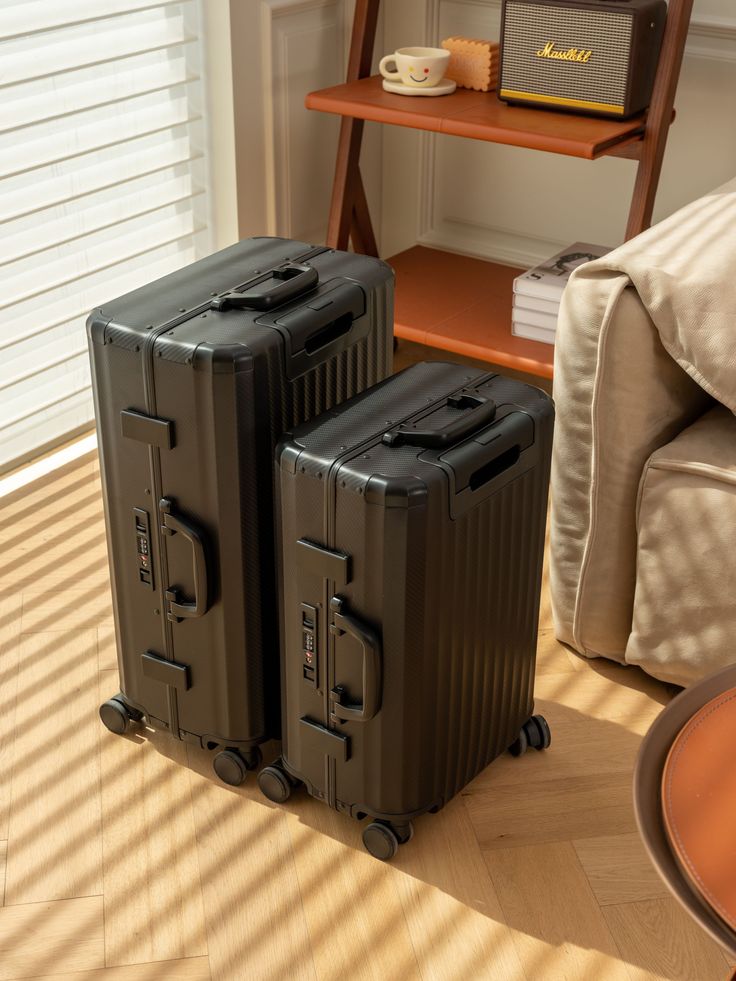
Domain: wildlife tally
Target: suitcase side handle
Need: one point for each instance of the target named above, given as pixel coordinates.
(171, 524)
(323, 326)
(370, 645)
(482, 411)
(327, 318)
(479, 461)
(291, 279)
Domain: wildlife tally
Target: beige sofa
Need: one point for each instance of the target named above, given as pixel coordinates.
(643, 529)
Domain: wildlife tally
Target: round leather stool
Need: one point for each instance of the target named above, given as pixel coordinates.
(685, 802)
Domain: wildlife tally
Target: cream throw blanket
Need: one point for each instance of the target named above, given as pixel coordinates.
(627, 321)
(684, 272)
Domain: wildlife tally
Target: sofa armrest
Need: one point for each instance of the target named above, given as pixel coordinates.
(619, 396)
(684, 614)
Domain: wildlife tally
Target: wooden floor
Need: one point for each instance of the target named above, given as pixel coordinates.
(124, 859)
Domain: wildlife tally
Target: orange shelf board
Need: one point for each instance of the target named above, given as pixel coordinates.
(479, 116)
(463, 305)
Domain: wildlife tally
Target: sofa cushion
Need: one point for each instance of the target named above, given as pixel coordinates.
(684, 623)
(643, 334)
(618, 397)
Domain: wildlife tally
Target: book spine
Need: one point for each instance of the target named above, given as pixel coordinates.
(523, 302)
(531, 333)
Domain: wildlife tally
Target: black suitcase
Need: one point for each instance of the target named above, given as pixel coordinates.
(196, 376)
(411, 526)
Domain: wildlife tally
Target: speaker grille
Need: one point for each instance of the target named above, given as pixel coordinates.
(601, 81)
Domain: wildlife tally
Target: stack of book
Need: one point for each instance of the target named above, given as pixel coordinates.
(537, 293)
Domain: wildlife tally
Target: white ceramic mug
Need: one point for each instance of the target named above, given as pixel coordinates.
(417, 67)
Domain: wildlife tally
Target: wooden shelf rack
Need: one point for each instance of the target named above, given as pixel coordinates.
(430, 306)
(481, 116)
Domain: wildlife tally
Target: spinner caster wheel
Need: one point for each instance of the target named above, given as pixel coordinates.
(253, 757)
(380, 840)
(230, 767)
(534, 733)
(274, 784)
(520, 745)
(537, 732)
(404, 832)
(117, 716)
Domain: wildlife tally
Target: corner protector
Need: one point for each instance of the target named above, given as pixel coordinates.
(220, 359)
(396, 492)
(287, 455)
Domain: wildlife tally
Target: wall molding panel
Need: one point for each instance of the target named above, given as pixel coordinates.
(303, 48)
(518, 206)
(712, 38)
(285, 154)
(490, 242)
(286, 8)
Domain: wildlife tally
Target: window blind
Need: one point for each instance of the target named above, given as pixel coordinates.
(102, 188)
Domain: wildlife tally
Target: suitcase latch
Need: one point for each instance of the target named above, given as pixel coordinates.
(147, 429)
(167, 672)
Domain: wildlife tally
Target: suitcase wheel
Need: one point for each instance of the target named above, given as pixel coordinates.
(117, 716)
(404, 833)
(535, 733)
(382, 840)
(274, 784)
(232, 768)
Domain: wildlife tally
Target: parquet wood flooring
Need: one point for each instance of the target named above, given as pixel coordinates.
(124, 859)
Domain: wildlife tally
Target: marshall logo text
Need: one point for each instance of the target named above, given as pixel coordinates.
(572, 54)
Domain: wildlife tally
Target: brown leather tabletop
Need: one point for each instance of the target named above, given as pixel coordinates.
(481, 116)
(699, 803)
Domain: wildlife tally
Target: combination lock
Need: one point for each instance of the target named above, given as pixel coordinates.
(309, 644)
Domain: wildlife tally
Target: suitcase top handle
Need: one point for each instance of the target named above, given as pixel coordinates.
(284, 283)
(482, 412)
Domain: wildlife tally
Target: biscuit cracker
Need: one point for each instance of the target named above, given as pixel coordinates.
(473, 63)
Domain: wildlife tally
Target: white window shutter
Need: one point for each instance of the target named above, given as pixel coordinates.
(102, 188)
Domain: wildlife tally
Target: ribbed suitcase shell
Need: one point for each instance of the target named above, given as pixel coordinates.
(448, 578)
(229, 383)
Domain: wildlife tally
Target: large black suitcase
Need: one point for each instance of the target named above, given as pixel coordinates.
(196, 376)
(411, 526)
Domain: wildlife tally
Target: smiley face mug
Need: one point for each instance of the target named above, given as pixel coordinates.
(416, 67)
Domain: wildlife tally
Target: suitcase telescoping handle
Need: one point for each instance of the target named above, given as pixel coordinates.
(292, 279)
(482, 411)
(370, 645)
(171, 524)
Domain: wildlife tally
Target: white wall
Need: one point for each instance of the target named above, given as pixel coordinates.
(219, 119)
(284, 153)
(517, 205)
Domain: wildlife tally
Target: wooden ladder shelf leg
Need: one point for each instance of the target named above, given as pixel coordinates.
(659, 117)
(349, 215)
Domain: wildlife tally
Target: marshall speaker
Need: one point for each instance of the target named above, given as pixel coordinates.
(591, 56)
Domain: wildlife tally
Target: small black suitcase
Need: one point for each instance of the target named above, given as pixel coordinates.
(196, 376)
(411, 526)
